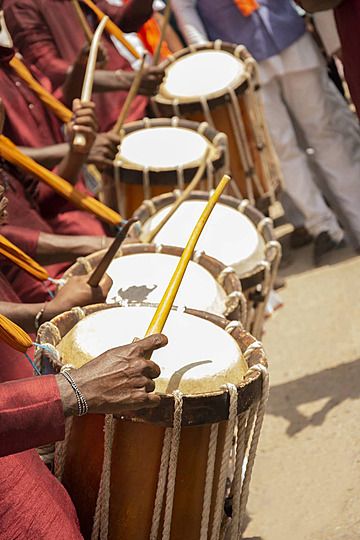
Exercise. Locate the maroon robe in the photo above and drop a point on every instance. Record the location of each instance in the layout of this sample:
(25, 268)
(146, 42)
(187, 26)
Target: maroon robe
(37, 28)
(33, 502)
(348, 23)
(29, 123)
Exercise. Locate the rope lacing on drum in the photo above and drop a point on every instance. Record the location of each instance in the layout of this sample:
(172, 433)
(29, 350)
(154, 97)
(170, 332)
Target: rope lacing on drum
(167, 472)
(85, 264)
(224, 273)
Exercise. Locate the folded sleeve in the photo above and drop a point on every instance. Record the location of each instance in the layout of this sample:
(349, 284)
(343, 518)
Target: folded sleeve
(31, 414)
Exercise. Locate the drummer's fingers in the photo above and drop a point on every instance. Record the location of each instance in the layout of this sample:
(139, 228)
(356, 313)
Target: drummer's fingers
(151, 343)
(105, 285)
(151, 369)
(145, 383)
(153, 400)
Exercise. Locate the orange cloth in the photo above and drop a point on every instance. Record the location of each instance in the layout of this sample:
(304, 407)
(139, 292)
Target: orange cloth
(150, 36)
(62, 112)
(247, 7)
(11, 153)
(21, 259)
(112, 28)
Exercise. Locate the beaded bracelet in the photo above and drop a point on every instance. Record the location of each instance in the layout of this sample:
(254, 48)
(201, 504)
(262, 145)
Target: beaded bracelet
(83, 407)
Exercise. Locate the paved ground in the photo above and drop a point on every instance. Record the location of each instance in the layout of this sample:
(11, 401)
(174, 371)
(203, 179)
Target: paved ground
(306, 483)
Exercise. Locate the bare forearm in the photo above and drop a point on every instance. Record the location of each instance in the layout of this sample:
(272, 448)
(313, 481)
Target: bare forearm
(24, 314)
(55, 248)
(70, 166)
(48, 156)
(110, 81)
(72, 86)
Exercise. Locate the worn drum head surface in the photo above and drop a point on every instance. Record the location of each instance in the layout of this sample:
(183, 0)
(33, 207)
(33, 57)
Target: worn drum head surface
(163, 148)
(202, 73)
(143, 277)
(200, 356)
(228, 236)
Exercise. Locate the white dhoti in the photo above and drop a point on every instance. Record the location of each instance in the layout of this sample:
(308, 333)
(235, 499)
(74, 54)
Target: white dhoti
(296, 88)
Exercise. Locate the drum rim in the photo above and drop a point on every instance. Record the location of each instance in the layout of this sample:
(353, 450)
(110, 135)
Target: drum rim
(132, 173)
(239, 85)
(229, 284)
(249, 389)
(249, 279)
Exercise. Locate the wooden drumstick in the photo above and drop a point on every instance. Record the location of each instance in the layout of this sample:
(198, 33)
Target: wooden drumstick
(79, 139)
(160, 317)
(149, 237)
(162, 32)
(82, 20)
(130, 97)
(103, 265)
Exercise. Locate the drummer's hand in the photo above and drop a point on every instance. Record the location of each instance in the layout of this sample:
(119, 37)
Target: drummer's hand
(77, 292)
(118, 381)
(104, 150)
(83, 122)
(151, 80)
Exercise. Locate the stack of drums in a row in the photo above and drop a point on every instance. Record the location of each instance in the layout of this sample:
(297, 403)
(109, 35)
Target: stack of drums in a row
(167, 473)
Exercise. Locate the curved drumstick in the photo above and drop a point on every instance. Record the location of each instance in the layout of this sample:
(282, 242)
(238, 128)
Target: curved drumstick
(82, 20)
(162, 32)
(149, 237)
(103, 265)
(130, 97)
(79, 139)
(160, 317)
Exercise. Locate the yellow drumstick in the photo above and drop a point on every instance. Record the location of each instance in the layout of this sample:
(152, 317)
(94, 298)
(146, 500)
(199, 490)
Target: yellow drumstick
(22, 260)
(149, 237)
(11, 153)
(160, 317)
(79, 139)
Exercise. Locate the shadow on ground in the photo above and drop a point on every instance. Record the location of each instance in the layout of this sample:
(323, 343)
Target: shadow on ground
(336, 385)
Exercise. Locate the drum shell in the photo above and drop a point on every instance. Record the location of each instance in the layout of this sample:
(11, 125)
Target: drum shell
(257, 283)
(124, 188)
(220, 108)
(230, 282)
(137, 449)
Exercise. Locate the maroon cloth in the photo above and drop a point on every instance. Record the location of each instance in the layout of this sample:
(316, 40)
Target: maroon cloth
(13, 364)
(348, 23)
(27, 121)
(33, 503)
(37, 28)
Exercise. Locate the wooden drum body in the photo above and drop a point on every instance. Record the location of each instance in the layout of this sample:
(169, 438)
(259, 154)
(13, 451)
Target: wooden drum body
(141, 272)
(156, 154)
(236, 234)
(217, 82)
(164, 473)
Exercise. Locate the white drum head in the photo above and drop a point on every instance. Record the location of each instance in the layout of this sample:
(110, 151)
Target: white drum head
(228, 236)
(199, 358)
(162, 148)
(202, 73)
(143, 277)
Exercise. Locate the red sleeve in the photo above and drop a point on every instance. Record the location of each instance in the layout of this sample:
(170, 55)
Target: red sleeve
(23, 237)
(129, 17)
(31, 414)
(33, 38)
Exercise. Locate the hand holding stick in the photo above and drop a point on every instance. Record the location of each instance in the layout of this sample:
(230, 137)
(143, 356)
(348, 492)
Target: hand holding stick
(103, 265)
(147, 238)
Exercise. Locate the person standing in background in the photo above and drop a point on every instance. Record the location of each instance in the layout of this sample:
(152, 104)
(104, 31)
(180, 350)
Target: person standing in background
(296, 91)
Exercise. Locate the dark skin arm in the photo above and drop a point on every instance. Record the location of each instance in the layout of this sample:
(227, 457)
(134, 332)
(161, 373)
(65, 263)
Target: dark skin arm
(76, 292)
(56, 248)
(116, 382)
(107, 81)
